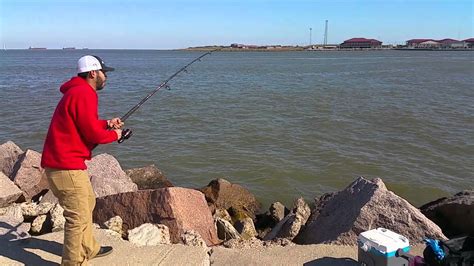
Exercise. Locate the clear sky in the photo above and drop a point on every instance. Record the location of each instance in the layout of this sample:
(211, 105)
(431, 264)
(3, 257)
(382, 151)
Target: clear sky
(155, 24)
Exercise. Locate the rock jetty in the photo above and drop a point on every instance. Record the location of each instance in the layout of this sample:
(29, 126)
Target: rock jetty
(142, 207)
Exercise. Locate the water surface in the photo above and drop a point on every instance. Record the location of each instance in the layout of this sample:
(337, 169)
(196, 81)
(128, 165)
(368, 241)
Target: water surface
(283, 124)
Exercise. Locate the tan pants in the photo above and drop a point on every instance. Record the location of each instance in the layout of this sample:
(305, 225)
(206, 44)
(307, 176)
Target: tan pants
(74, 191)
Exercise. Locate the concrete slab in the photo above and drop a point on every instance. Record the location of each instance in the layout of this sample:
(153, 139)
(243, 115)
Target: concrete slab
(46, 250)
(289, 255)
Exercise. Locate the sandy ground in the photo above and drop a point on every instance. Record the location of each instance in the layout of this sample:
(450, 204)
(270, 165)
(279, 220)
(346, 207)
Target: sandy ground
(46, 250)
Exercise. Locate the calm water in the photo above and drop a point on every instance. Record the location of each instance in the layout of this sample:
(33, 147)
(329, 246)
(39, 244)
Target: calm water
(282, 124)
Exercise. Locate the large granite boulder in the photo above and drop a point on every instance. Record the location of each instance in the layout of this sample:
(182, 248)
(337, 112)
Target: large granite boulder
(148, 177)
(178, 208)
(364, 205)
(107, 177)
(9, 154)
(29, 176)
(455, 215)
(221, 194)
(9, 192)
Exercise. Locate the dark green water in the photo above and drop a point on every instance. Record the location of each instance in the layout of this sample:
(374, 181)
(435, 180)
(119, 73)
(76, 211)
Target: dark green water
(282, 124)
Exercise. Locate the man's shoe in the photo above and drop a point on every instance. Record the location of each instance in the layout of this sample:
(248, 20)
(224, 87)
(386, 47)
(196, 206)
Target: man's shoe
(104, 251)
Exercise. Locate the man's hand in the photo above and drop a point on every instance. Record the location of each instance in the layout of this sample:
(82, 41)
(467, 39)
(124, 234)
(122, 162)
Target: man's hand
(115, 123)
(119, 133)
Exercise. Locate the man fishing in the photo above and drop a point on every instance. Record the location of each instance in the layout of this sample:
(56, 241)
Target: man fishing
(74, 131)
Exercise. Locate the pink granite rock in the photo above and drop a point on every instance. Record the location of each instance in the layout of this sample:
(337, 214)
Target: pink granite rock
(221, 194)
(180, 209)
(9, 154)
(364, 205)
(148, 177)
(9, 192)
(28, 174)
(107, 177)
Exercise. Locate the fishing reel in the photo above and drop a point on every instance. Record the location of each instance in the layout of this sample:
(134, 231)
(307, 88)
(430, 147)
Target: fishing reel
(126, 134)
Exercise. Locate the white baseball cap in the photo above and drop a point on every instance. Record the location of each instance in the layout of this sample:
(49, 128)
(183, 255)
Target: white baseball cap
(91, 62)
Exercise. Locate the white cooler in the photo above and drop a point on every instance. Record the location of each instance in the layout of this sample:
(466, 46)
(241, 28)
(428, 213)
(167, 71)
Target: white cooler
(378, 247)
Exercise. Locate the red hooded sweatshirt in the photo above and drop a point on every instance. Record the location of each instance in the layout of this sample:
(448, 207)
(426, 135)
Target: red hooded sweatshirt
(75, 128)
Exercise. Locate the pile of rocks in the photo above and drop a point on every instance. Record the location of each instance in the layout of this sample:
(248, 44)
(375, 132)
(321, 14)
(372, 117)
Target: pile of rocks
(143, 207)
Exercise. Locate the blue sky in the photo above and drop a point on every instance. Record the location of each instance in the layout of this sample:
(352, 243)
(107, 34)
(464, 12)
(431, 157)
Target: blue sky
(144, 24)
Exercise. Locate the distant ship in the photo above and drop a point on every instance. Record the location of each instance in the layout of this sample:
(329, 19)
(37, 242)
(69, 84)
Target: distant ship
(69, 48)
(37, 48)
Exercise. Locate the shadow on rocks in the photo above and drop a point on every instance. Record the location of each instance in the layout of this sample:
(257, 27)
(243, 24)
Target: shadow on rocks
(332, 261)
(15, 249)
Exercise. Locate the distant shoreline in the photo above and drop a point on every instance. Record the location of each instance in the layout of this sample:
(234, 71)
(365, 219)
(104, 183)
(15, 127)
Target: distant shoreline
(205, 49)
(316, 50)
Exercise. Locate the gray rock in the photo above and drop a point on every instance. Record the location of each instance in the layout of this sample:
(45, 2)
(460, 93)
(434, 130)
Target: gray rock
(192, 238)
(11, 223)
(57, 218)
(13, 229)
(296, 221)
(13, 211)
(113, 234)
(107, 177)
(244, 244)
(221, 194)
(278, 211)
(289, 227)
(49, 197)
(455, 215)
(34, 209)
(115, 224)
(9, 192)
(149, 235)
(223, 214)
(364, 205)
(28, 174)
(278, 227)
(246, 228)
(148, 177)
(225, 230)
(41, 225)
(9, 154)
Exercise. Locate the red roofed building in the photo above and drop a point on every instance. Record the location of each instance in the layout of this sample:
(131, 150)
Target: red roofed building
(447, 41)
(361, 43)
(440, 44)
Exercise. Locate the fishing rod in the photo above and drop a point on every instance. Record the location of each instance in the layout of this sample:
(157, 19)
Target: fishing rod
(127, 133)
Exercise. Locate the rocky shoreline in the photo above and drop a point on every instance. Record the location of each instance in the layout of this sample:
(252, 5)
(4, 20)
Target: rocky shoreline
(141, 206)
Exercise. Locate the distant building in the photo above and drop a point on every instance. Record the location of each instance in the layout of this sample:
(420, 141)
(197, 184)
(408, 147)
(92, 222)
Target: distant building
(469, 42)
(413, 43)
(438, 44)
(357, 43)
(429, 44)
(237, 45)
